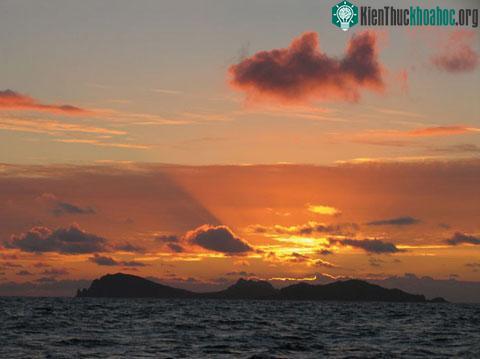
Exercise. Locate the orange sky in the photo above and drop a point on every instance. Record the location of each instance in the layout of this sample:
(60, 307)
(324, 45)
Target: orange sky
(196, 142)
(391, 218)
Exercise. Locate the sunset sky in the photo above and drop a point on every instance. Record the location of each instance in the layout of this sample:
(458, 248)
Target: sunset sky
(199, 141)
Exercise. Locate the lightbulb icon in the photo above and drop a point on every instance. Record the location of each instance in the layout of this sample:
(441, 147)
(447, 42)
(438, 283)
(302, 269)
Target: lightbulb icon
(344, 14)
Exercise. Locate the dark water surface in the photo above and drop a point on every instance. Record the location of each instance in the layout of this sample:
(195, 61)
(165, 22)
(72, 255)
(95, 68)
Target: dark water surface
(116, 328)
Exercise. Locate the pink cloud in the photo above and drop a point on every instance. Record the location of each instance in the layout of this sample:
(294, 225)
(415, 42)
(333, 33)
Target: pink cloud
(11, 100)
(457, 54)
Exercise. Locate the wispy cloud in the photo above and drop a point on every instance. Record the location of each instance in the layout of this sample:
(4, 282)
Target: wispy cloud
(12, 100)
(402, 138)
(52, 127)
(166, 92)
(441, 131)
(104, 144)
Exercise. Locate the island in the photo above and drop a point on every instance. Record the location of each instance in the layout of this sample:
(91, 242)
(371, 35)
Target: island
(121, 285)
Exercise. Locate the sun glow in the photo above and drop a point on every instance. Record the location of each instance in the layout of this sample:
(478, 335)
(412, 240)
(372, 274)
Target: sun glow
(324, 210)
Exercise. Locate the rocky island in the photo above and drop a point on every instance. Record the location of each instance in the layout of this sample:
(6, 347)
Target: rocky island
(122, 285)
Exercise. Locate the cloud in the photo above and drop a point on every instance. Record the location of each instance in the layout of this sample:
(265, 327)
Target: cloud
(298, 258)
(175, 247)
(325, 252)
(399, 138)
(323, 263)
(370, 245)
(462, 238)
(53, 127)
(71, 240)
(167, 238)
(109, 261)
(307, 229)
(172, 242)
(127, 247)
(457, 54)
(441, 131)
(398, 221)
(95, 142)
(62, 208)
(218, 239)
(103, 260)
(302, 72)
(11, 100)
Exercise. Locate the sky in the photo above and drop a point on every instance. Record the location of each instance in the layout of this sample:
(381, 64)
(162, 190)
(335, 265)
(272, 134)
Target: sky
(196, 142)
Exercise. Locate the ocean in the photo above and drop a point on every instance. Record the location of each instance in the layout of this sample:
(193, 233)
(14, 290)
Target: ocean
(156, 328)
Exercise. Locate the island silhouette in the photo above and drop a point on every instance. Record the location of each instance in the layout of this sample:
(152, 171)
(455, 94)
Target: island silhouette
(121, 285)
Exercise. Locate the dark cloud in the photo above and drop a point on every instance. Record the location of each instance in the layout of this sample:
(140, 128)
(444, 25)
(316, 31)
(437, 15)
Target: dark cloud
(370, 245)
(71, 240)
(325, 252)
(218, 239)
(399, 221)
(103, 260)
(167, 238)
(11, 100)
(302, 71)
(62, 208)
(462, 238)
(298, 258)
(457, 54)
(127, 247)
(175, 247)
(109, 261)
(172, 242)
